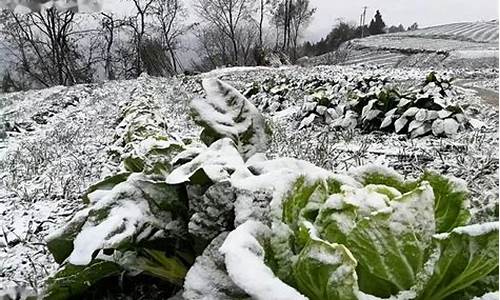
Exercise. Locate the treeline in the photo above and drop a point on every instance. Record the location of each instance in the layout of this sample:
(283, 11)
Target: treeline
(344, 31)
(51, 47)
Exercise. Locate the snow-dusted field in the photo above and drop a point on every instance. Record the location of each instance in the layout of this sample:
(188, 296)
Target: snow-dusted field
(467, 44)
(58, 139)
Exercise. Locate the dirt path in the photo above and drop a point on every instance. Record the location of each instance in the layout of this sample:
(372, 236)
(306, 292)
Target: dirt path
(488, 96)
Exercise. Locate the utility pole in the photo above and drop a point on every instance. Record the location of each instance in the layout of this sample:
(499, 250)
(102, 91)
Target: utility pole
(363, 20)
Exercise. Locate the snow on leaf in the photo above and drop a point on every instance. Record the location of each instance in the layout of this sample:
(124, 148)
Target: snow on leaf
(421, 115)
(386, 122)
(400, 124)
(476, 124)
(216, 163)
(307, 121)
(414, 125)
(227, 113)
(437, 127)
(410, 112)
(244, 258)
(443, 114)
(450, 126)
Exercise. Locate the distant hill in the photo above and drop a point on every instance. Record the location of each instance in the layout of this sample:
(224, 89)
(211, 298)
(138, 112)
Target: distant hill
(466, 44)
(482, 32)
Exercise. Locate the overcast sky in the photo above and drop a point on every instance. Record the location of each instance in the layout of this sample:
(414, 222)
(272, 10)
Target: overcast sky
(424, 12)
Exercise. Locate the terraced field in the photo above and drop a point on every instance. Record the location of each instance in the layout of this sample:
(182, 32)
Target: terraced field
(459, 45)
(482, 32)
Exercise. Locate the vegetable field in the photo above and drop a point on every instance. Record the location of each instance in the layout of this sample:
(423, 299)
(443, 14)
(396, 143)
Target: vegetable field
(330, 182)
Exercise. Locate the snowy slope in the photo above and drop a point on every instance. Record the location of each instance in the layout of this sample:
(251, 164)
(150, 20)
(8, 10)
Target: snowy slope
(467, 44)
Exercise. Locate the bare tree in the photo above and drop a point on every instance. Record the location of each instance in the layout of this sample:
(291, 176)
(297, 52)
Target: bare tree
(169, 16)
(291, 16)
(109, 25)
(138, 25)
(227, 16)
(44, 47)
(301, 15)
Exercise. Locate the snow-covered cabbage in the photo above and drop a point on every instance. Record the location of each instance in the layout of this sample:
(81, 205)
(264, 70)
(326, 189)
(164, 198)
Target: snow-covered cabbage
(152, 156)
(372, 103)
(374, 236)
(227, 113)
(134, 221)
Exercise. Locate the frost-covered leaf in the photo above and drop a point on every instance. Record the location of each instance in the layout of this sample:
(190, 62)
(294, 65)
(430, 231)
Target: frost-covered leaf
(214, 164)
(227, 113)
(208, 278)
(308, 107)
(320, 109)
(60, 242)
(139, 209)
(476, 124)
(438, 127)
(106, 184)
(381, 175)
(451, 201)
(414, 125)
(391, 112)
(460, 118)
(443, 114)
(458, 259)
(400, 124)
(305, 197)
(350, 120)
(332, 113)
(382, 226)
(326, 271)
(421, 130)
(450, 127)
(386, 122)
(212, 213)
(152, 156)
(372, 114)
(367, 108)
(245, 263)
(421, 115)
(155, 263)
(71, 281)
(404, 101)
(307, 121)
(432, 115)
(410, 112)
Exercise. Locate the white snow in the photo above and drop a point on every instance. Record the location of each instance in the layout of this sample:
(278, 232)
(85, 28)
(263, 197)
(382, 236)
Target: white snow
(488, 296)
(414, 212)
(477, 229)
(218, 162)
(244, 257)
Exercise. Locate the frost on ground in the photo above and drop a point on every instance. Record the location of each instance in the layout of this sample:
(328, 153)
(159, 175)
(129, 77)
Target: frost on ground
(57, 146)
(59, 140)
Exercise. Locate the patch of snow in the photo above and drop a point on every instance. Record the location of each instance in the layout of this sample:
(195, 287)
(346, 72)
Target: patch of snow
(244, 258)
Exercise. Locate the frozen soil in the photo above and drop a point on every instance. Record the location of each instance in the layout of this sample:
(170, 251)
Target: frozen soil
(61, 135)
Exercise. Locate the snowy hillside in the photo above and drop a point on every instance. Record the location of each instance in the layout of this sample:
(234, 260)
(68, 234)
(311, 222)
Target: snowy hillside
(481, 32)
(59, 141)
(468, 44)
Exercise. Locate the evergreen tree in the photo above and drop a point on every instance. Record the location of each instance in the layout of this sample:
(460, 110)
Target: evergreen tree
(413, 26)
(377, 25)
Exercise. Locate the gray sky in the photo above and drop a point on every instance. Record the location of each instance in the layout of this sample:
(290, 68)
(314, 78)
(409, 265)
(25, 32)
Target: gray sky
(424, 12)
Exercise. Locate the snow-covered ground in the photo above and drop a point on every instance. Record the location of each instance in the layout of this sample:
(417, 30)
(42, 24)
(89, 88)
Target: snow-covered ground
(64, 133)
